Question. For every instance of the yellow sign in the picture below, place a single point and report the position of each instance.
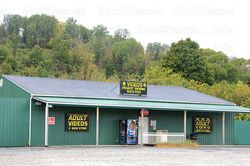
(133, 87)
(202, 125)
(76, 122)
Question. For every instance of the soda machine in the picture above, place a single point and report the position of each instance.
(128, 132)
(131, 131)
(122, 133)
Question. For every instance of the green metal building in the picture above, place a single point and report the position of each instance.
(33, 112)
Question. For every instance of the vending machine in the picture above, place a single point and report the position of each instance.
(123, 132)
(132, 131)
(128, 132)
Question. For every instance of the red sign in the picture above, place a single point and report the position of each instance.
(51, 120)
(145, 112)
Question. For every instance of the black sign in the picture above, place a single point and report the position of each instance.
(76, 122)
(203, 125)
(133, 87)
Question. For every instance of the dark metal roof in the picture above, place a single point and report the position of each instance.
(92, 89)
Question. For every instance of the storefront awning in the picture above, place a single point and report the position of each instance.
(153, 105)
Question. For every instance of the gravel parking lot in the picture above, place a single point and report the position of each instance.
(126, 155)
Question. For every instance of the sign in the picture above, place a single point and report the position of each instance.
(51, 120)
(133, 88)
(145, 113)
(76, 122)
(203, 125)
(153, 124)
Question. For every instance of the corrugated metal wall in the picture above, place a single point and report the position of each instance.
(38, 116)
(109, 125)
(14, 122)
(14, 115)
(242, 132)
(215, 138)
(57, 133)
(229, 128)
(168, 120)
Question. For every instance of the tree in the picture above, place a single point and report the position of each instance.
(13, 25)
(222, 68)
(122, 34)
(185, 57)
(155, 51)
(128, 56)
(99, 44)
(100, 49)
(34, 56)
(155, 74)
(100, 31)
(243, 69)
(77, 32)
(4, 53)
(216, 63)
(9, 66)
(62, 58)
(40, 29)
(83, 60)
(12, 31)
(71, 28)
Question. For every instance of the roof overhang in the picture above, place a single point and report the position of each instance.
(152, 105)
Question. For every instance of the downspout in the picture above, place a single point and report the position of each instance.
(30, 120)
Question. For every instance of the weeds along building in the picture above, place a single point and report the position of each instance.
(46, 112)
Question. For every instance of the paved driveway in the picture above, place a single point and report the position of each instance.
(126, 155)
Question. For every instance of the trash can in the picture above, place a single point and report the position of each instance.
(194, 137)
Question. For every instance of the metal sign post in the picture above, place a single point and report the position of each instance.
(142, 112)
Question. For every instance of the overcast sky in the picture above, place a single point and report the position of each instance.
(222, 25)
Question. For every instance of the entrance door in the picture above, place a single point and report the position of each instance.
(145, 129)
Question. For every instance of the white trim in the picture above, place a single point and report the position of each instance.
(97, 125)
(44, 101)
(133, 99)
(185, 124)
(142, 114)
(146, 107)
(223, 128)
(1, 82)
(46, 124)
(30, 120)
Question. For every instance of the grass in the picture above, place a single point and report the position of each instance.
(183, 144)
